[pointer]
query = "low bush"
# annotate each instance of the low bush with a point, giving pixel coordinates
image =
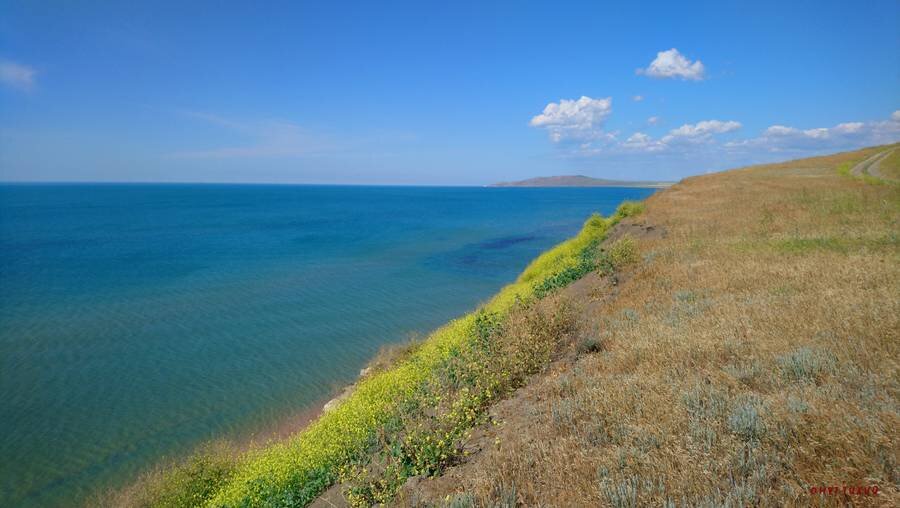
(628, 209)
(623, 252)
(590, 345)
(745, 420)
(806, 364)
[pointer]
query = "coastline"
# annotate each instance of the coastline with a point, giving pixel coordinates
(635, 185)
(327, 436)
(249, 441)
(300, 420)
(334, 451)
(240, 326)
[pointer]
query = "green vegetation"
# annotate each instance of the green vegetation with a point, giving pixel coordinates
(629, 209)
(845, 167)
(623, 252)
(413, 416)
(190, 482)
(196, 480)
(428, 434)
(887, 172)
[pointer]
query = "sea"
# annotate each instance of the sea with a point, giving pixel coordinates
(139, 321)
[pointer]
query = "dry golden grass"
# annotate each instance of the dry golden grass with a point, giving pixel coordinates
(890, 166)
(750, 355)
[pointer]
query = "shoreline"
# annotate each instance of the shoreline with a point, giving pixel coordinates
(280, 429)
(315, 454)
(212, 276)
(297, 421)
(362, 402)
(317, 441)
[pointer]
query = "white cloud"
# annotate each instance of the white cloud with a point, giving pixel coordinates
(638, 138)
(849, 127)
(642, 142)
(703, 137)
(681, 138)
(653, 120)
(847, 135)
(819, 133)
(672, 64)
(701, 131)
(700, 145)
(15, 75)
(580, 119)
(780, 130)
(637, 98)
(887, 131)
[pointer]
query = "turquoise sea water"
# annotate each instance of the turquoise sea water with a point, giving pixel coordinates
(137, 321)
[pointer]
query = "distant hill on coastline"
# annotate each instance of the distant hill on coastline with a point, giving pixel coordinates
(577, 181)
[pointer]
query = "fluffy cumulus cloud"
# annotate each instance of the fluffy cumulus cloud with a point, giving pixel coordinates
(847, 135)
(701, 131)
(642, 142)
(780, 130)
(15, 75)
(637, 98)
(676, 139)
(580, 119)
(578, 128)
(672, 64)
(580, 124)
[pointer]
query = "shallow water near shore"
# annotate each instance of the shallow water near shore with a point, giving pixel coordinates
(137, 321)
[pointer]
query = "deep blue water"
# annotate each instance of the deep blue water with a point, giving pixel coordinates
(137, 321)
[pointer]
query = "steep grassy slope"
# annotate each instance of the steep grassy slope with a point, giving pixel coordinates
(750, 358)
(410, 417)
(735, 344)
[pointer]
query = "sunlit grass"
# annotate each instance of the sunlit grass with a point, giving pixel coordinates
(890, 166)
(295, 471)
(748, 355)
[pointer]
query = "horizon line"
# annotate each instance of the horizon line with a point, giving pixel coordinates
(307, 184)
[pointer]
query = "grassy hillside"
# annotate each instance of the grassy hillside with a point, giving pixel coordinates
(890, 168)
(749, 358)
(736, 343)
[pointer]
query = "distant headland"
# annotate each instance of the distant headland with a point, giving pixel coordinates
(578, 181)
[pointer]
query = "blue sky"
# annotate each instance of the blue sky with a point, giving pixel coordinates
(437, 93)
